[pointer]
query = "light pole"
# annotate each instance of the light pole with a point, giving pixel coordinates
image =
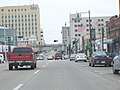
(5, 43)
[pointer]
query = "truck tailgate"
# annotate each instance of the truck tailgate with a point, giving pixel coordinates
(20, 57)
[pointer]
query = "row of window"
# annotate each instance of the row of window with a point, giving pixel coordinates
(76, 30)
(11, 10)
(19, 20)
(77, 35)
(19, 16)
(88, 20)
(87, 25)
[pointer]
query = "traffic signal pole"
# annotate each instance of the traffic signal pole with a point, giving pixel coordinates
(90, 34)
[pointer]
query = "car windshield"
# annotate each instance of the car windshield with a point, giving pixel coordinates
(99, 53)
(22, 50)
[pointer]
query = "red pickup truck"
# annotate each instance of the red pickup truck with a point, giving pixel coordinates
(22, 56)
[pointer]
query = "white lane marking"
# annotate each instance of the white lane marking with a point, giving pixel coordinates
(18, 87)
(100, 73)
(44, 66)
(36, 72)
(96, 71)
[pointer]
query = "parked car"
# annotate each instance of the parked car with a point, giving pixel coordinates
(66, 57)
(99, 58)
(116, 64)
(58, 56)
(1, 58)
(81, 57)
(72, 57)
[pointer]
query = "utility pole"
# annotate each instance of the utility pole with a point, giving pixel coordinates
(90, 34)
(102, 38)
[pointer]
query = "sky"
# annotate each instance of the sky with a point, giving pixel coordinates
(54, 13)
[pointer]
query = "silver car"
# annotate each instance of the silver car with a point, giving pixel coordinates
(116, 64)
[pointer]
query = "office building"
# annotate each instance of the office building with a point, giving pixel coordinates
(25, 20)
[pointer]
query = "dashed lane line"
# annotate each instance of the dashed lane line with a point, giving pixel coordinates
(36, 72)
(18, 87)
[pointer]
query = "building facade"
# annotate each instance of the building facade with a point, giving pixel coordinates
(25, 20)
(65, 39)
(80, 29)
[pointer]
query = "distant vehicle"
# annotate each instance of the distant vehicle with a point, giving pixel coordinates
(58, 56)
(116, 64)
(50, 57)
(66, 57)
(99, 58)
(72, 57)
(22, 56)
(40, 57)
(81, 57)
(1, 58)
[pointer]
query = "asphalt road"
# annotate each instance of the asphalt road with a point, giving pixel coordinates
(59, 75)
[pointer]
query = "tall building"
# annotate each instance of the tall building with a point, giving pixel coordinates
(119, 7)
(65, 39)
(79, 29)
(25, 20)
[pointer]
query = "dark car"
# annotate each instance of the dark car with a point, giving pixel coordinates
(58, 56)
(99, 58)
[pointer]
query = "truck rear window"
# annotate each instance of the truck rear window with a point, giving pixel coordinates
(22, 50)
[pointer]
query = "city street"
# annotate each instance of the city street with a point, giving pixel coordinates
(59, 75)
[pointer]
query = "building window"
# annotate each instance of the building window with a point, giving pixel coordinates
(75, 21)
(75, 25)
(8, 10)
(75, 30)
(99, 29)
(75, 35)
(87, 20)
(102, 24)
(79, 34)
(87, 29)
(98, 20)
(87, 25)
(78, 20)
(98, 24)
(102, 20)
(2, 9)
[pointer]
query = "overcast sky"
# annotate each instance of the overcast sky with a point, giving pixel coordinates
(54, 13)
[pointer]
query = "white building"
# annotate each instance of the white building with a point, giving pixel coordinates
(76, 21)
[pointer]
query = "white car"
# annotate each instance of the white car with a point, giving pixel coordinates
(72, 57)
(81, 57)
(1, 58)
(116, 64)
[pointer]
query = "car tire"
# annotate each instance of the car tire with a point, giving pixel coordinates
(76, 61)
(16, 67)
(115, 71)
(10, 67)
(32, 66)
(92, 64)
(89, 64)
(35, 65)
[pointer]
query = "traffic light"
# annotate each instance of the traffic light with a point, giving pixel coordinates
(55, 40)
(74, 43)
